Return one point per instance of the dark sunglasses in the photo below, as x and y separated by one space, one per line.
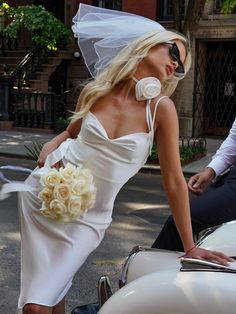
175 56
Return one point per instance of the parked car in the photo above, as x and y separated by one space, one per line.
157 281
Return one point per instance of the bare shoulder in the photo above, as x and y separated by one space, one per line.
166 102
166 110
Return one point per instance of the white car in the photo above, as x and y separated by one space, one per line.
157 281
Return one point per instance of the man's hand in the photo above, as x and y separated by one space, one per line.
200 181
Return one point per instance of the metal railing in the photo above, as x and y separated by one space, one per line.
18 78
26 69
36 109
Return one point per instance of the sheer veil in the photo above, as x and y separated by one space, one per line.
102 33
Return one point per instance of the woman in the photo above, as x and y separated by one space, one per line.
117 118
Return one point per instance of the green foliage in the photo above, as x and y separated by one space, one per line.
46 29
61 124
228 6
187 153
34 151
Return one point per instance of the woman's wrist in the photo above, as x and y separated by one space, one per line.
189 250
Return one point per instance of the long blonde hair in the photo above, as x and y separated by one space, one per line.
124 66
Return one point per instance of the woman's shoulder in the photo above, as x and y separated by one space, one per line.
162 100
165 108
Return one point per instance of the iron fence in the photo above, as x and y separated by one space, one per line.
215 88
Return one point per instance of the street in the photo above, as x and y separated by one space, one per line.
140 210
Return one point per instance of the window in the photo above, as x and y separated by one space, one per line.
109 4
218 5
165 10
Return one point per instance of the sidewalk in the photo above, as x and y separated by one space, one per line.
12 145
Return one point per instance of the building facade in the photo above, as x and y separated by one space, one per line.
206 99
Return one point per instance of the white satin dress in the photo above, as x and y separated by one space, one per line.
52 253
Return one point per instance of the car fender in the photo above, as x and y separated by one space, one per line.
175 292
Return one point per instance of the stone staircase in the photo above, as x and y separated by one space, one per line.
9 62
40 81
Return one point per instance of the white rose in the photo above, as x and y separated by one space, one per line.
46 211
147 88
86 173
89 199
67 173
51 178
74 206
46 195
77 172
80 186
61 192
58 207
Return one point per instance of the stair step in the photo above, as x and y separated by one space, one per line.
9 60
16 53
10 68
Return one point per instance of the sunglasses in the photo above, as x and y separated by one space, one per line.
175 56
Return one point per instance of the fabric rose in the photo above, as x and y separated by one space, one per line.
51 178
147 88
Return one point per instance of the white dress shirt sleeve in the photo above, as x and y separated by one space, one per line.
226 154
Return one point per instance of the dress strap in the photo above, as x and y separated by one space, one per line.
151 119
155 108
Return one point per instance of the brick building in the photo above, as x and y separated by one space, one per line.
206 99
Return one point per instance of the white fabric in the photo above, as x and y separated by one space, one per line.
226 154
147 88
51 252
102 33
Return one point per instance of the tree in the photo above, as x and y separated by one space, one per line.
46 29
194 12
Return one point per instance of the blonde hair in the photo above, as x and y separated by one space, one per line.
124 66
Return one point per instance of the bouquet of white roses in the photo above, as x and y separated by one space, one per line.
67 193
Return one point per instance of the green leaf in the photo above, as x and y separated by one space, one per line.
34 151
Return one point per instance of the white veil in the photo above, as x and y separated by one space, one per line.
102 33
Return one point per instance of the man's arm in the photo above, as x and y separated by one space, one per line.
224 158
226 154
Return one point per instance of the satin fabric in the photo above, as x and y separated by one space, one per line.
52 253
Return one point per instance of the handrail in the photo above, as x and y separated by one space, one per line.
27 67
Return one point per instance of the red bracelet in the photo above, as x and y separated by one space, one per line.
186 253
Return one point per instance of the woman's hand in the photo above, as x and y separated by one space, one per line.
48 148
211 256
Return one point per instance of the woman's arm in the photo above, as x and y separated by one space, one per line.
167 139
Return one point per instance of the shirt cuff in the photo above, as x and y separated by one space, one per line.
218 166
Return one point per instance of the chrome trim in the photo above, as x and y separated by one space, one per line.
124 270
193 264
130 257
104 290
204 234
